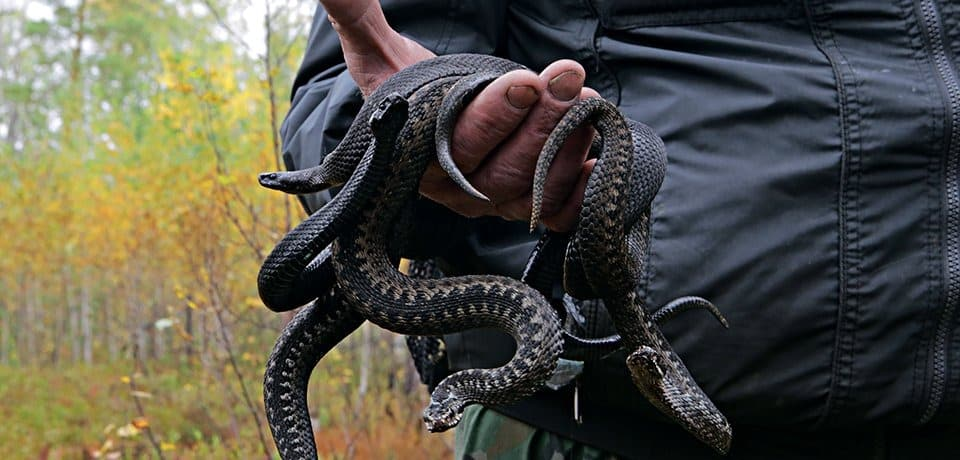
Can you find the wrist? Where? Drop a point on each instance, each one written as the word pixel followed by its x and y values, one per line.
pixel 372 49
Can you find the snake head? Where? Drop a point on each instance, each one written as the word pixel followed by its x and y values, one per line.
pixel 442 414
pixel 389 117
pixel 295 182
pixel 647 367
pixel 674 393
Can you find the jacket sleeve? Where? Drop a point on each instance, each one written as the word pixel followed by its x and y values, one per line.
pixel 325 99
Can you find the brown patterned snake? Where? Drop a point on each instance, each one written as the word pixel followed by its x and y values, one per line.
pixel 362 223
pixel 606 254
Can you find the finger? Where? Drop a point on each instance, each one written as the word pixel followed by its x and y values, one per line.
pixel 506 174
pixel 489 119
pixel 566 218
pixel 561 179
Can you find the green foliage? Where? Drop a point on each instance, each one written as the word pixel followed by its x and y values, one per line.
pixel 131 134
pixel 89 410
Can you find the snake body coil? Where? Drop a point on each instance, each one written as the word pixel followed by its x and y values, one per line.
pixel 368 278
pixel 603 258
pixel 606 254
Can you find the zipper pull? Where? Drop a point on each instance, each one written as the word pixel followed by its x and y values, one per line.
pixel 577 417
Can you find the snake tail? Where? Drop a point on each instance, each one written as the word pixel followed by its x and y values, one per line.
pixel 454 102
pixel 313 332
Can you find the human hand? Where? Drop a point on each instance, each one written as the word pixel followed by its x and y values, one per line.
pixel 498 137
pixel 496 142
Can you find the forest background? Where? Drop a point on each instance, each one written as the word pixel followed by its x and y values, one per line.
pixel 131 135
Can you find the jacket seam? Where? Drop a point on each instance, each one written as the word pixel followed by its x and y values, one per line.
pixel 848 253
pixel 444 37
pixel 951 24
pixel 786 10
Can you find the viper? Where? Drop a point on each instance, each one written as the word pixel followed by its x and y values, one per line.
pixel 606 254
pixel 604 258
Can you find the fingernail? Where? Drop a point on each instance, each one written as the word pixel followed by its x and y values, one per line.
pixel 522 97
pixel 566 86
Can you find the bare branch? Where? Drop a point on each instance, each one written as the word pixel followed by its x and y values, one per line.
pixel 226 26
pixel 216 303
pixel 272 93
pixel 138 363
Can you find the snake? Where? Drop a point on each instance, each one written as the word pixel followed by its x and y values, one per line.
pixel 304 341
pixel 545 268
pixel 367 276
pixel 327 320
pixel 354 234
pixel 287 274
pixel 605 258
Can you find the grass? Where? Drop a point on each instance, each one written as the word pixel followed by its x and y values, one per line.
pixel 81 412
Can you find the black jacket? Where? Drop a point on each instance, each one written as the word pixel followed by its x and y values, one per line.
pixel 812 193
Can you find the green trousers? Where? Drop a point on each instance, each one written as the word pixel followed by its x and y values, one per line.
pixel 484 434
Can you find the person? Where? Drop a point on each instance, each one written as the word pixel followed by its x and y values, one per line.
pixel 812 193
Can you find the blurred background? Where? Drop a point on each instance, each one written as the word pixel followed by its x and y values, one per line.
pixel 131 134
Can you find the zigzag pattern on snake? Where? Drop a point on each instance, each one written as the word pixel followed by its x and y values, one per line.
pixel 488 300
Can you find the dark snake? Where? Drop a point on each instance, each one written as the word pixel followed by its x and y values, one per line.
pixel 613 227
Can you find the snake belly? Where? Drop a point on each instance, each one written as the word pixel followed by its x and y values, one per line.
pixel 606 255
pixel 368 278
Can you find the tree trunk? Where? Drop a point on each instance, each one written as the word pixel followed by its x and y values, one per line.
pixel 5 318
pixel 366 346
pixel 73 313
pixel 86 325
pixel 158 334
pixel 30 323
pixel 106 321
pixel 188 349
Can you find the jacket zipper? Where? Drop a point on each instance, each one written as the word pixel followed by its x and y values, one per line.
pixel 934 34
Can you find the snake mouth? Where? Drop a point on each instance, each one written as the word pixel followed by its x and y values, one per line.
pixel 296 182
pixel 441 417
pixel 269 180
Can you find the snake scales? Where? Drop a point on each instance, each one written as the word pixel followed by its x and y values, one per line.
pixel 401 127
